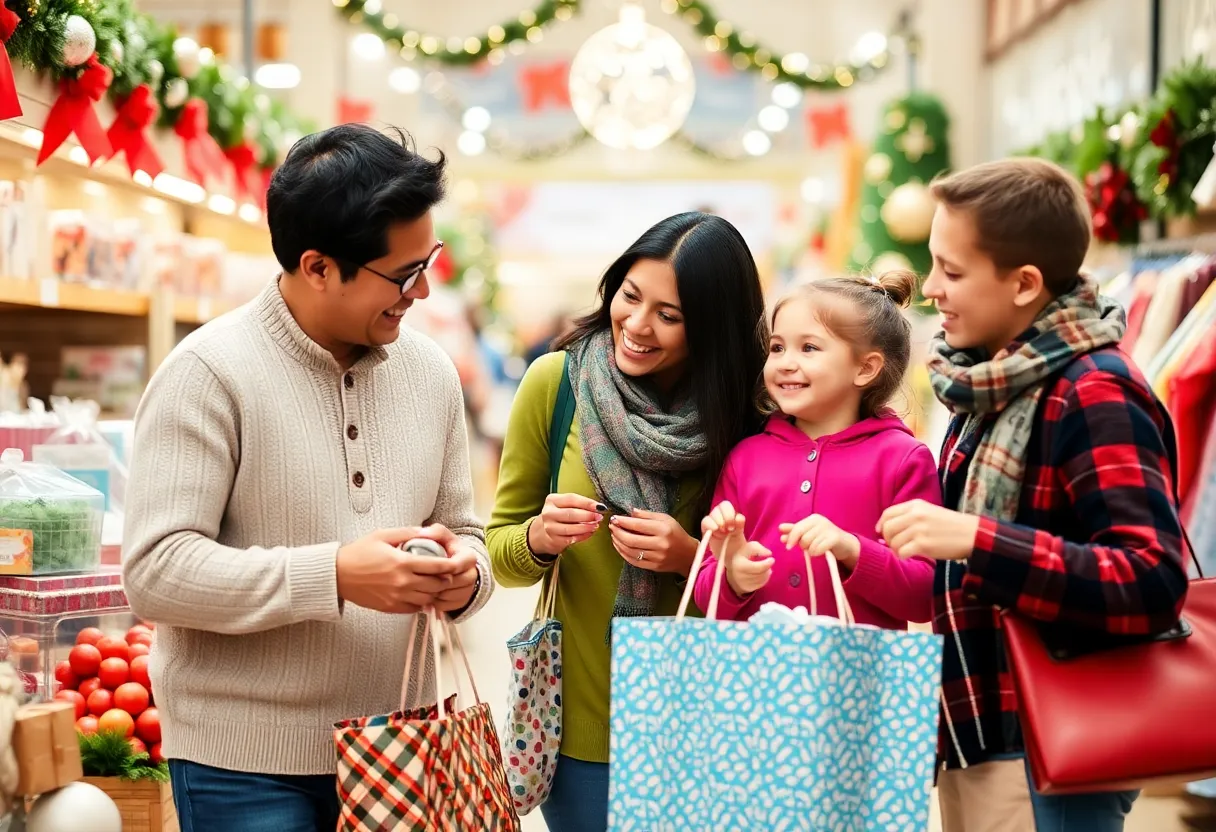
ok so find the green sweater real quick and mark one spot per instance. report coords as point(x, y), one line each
point(590, 570)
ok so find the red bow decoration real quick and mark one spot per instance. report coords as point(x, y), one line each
point(829, 124)
point(546, 85)
point(244, 160)
point(127, 133)
point(202, 152)
point(10, 105)
point(73, 113)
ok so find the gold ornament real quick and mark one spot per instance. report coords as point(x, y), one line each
point(908, 213)
point(915, 141)
point(891, 261)
point(878, 168)
point(895, 120)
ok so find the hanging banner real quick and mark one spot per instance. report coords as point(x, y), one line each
point(1088, 55)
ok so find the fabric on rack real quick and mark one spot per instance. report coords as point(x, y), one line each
point(1197, 285)
point(1162, 317)
point(1142, 296)
point(1191, 400)
point(1180, 344)
point(1199, 509)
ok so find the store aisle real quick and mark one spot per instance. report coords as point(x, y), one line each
point(507, 611)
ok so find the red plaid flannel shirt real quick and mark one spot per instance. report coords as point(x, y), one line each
point(1096, 543)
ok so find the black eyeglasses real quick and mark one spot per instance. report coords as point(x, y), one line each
point(407, 282)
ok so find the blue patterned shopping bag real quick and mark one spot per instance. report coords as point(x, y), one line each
point(724, 726)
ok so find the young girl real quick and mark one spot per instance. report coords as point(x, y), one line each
point(831, 459)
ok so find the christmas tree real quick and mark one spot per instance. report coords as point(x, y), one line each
point(896, 210)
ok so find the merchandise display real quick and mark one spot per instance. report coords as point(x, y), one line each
point(50, 521)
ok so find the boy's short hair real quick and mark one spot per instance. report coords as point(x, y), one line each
point(1027, 212)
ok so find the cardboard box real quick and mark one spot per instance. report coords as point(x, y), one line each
point(48, 752)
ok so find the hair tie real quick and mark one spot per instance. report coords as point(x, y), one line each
point(874, 281)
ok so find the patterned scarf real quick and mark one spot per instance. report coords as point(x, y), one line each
point(633, 448)
point(1010, 385)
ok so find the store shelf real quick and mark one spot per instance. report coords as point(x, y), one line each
point(198, 310)
point(76, 297)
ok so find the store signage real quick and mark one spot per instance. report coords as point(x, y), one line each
point(1091, 54)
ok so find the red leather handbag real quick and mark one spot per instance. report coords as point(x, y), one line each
point(1111, 715)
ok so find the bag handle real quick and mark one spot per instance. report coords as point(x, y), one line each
point(559, 432)
point(431, 634)
point(843, 608)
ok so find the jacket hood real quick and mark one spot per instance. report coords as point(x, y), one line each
point(782, 428)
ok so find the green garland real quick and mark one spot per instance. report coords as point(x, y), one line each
point(747, 54)
point(456, 51)
point(1164, 144)
point(140, 50)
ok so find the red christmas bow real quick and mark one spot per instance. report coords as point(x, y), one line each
point(244, 160)
point(203, 154)
point(73, 113)
point(10, 105)
point(127, 133)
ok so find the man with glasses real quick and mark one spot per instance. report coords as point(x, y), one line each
point(283, 453)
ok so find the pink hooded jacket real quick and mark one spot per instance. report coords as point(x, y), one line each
point(851, 478)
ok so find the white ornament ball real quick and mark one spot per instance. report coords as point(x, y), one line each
point(891, 261)
point(116, 51)
point(176, 93)
point(78, 807)
point(156, 71)
point(80, 41)
point(908, 213)
point(186, 52)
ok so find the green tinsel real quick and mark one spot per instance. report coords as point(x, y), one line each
point(108, 754)
point(65, 532)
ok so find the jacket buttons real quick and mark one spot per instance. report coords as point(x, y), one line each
point(358, 479)
point(348, 380)
point(805, 487)
point(795, 579)
point(352, 433)
point(812, 456)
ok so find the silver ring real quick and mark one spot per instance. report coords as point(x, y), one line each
point(641, 556)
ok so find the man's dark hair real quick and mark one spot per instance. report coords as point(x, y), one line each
point(338, 191)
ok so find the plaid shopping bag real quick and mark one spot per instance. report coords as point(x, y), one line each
point(428, 769)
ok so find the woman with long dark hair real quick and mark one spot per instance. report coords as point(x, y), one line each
point(664, 375)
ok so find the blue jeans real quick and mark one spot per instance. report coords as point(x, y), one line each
point(218, 800)
point(1095, 812)
point(578, 801)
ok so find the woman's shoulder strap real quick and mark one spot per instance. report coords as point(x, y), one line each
point(559, 425)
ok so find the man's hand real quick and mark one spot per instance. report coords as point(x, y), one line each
point(460, 591)
point(816, 535)
point(921, 528)
point(373, 572)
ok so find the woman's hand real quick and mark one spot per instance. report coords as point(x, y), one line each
point(816, 535)
point(566, 519)
point(653, 541)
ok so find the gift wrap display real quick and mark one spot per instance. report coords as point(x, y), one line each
point(784, 722)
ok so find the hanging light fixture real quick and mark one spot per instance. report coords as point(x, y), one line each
point(632, 84)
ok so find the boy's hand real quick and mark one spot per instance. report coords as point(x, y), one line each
point(921, 528)
point(748, 568)
point(816, 535)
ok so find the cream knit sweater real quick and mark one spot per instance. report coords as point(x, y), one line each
point(255, 458)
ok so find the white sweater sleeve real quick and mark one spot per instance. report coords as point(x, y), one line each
point(185, 457)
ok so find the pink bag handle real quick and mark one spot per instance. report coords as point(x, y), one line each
point(843, 608)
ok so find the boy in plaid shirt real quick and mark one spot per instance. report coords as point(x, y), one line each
point(1058, 462)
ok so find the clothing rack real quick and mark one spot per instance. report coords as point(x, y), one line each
point(1199, 243)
